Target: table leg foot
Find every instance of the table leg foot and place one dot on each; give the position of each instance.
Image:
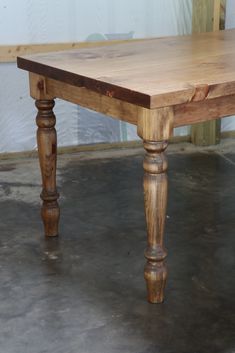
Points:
(47, 151)
(155, 197)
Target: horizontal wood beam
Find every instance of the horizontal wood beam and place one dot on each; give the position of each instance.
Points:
(194, 112)
(184, 114)
(45, 88)
(9, 53)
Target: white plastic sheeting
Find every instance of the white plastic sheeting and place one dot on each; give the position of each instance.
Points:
(43, 21)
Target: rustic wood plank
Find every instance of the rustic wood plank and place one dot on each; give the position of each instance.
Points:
(202, 16)
(153, 73)
(216, 15)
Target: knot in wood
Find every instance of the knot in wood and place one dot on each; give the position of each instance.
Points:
(40, 85)
(200, 93)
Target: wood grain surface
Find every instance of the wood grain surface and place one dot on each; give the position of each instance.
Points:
(152, 73)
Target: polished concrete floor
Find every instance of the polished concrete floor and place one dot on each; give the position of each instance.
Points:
(84, 291)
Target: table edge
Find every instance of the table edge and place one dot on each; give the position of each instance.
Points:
(104, 88)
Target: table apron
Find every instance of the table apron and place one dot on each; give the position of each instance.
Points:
(184, 114)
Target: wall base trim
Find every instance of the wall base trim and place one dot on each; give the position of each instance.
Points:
(89, 148)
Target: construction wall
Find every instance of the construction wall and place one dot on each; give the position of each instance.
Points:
(53, 21)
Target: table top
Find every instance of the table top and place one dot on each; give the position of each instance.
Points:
(150, 73)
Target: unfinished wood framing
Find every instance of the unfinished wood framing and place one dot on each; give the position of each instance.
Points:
(9, 53)
(208, 15)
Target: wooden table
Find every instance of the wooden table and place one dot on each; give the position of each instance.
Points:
(156, 84)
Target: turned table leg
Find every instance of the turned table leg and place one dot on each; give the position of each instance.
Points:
(155, 126)
(155, 197)
(47, 151)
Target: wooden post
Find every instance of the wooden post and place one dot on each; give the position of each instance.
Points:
(208, 15)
